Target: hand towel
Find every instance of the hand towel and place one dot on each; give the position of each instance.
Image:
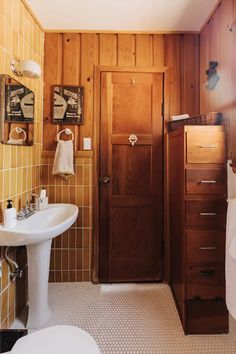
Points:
(230, 266)
(63, 160)
(181, 116)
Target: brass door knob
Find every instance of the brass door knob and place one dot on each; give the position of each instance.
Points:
(105, 179)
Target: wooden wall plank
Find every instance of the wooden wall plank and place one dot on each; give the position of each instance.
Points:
(158, 50)
(126, 50)
(108, 49)
(189, 74)
(71, 72)
(144, 50)
(213, 95)
(204, 61)
(89, 58)
(172, 59)
(52, 76)
(71, 59)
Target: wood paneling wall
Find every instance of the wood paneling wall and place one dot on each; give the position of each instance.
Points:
(70, 59)
(218, 42)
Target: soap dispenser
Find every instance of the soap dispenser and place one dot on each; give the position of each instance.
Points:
(9, 216)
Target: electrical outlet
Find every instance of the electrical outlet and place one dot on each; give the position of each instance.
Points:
(87, 144)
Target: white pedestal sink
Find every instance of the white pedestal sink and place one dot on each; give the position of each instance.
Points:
(36, 233)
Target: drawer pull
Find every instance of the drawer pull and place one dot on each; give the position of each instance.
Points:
(208, 214)
(210, 248)
(208, 182)
(207, 146)
(207, 273)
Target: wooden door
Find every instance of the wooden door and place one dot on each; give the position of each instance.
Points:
(131, 177)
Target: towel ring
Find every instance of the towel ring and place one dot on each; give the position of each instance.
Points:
(67, 131)
(18, 131)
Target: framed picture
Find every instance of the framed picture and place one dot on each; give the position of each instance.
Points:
(19, 103)
(68, 104)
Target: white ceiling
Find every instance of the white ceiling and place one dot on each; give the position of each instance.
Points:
(122, 15)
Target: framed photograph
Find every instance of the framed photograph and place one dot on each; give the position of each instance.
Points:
(68, 104)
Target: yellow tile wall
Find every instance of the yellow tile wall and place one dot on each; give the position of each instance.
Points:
(72, 251)
(20, 167)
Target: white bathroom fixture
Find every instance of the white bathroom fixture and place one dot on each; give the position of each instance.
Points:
(56, 340)
(28, 68)
(36, 233)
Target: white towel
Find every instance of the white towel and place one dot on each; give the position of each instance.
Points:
(181, 116)
(230, 266)
(63, 160)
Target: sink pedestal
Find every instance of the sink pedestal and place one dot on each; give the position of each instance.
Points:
(38, 273)
(36, 233)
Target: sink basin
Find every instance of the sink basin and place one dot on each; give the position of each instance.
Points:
(36, 233)
(43, 225)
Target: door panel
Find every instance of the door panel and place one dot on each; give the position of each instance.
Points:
(140, 223)
(131, 199)
(128, 162)
(128, 121)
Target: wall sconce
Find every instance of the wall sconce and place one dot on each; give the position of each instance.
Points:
(212, 76)
(28, 68)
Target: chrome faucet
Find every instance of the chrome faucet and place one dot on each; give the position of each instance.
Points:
(30, 207)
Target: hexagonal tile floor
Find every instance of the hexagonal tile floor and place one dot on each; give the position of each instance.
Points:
(130, 318)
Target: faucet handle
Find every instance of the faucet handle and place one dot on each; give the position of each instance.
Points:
(29, 198)
(31, 207)
(33, 202)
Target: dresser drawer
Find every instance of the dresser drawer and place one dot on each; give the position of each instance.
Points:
(205, 246)
(207, 316)
(206, 181)
(205, 283)
(206, 213)
(208, 147)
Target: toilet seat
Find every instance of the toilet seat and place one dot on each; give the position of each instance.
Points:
(56, 340)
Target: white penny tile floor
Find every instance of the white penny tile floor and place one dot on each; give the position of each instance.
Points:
(130, 318)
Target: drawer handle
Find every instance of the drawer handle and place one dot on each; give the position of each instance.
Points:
(208, 214)
(207, 146)
(206, 273)
(210, 248)
(208, 182)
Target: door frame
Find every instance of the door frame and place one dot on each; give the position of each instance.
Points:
(98, 70)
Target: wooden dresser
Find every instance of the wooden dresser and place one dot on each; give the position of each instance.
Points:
(198, 189)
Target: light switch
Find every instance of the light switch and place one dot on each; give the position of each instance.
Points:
(87, 143)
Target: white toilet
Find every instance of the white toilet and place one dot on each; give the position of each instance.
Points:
(56, 340)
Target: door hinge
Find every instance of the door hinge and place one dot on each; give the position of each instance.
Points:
(163, 108)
